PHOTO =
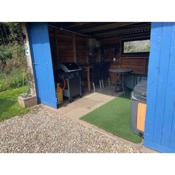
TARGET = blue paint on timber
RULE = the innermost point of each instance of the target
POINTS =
(160, 118)
(42, 63)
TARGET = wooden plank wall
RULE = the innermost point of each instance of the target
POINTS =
(137, 63)
(160, 118)
(68, 47)
(82, 49)
(42, 61)
(107, 43)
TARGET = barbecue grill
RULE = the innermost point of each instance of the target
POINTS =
(70, 73)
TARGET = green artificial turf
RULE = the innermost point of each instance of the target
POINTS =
(9, 106)
(114, 117)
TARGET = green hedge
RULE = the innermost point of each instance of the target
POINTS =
(13, 66)
(16, 78)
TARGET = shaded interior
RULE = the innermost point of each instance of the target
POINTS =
(88, 43)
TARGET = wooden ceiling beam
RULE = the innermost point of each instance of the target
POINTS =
(135, 30)
(126, 36)
(105, 27)
(77, 24)
(86, 25)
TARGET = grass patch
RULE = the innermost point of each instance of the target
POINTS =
(9, 106)
(114, 117)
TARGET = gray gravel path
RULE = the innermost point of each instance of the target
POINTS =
(43, 130)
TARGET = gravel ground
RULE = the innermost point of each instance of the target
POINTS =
(43, 131)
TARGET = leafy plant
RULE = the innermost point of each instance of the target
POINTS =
(11, 33)
(13, 65)
(16, 78)
(5, 54)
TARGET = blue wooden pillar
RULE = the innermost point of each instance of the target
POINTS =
(42, 63)
(160, 119)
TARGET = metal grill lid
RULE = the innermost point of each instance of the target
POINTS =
(139, 92)
(69, 67)
(72, 66)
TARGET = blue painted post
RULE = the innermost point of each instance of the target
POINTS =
(160, 118)
(42, 63)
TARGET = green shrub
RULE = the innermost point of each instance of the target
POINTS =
(12, 56)
(13, 64)
(16, 78)
(3, 85)
(5, 55)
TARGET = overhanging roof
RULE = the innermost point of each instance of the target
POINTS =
(104, 29)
